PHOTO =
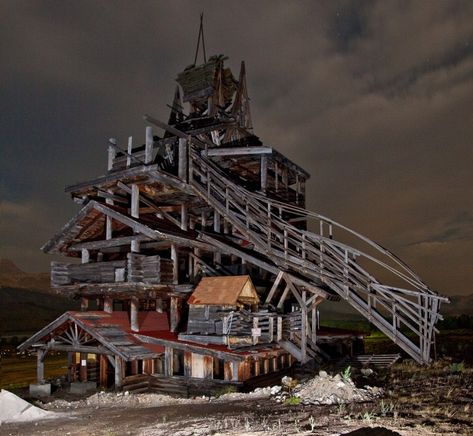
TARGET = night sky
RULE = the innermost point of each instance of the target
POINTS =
(373, 98)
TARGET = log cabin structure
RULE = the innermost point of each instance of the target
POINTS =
(194, 257)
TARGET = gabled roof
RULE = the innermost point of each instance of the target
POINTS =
(89, 224)
(224, 291)
(111, 330)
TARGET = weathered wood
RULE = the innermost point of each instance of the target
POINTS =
(149, 145)
(134, 307)
(236, 151)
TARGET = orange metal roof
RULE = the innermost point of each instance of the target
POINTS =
(223, 290)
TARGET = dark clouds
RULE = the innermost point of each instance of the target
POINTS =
(372, 98)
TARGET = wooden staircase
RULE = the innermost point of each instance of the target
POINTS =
(407, 315)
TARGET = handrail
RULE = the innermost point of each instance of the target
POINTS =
(322, 258)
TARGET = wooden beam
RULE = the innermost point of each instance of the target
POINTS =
(236, 151)
(264, 173)
(149, 145)
(135, 201)
(114, 242)
(182, 159)
(273, 289)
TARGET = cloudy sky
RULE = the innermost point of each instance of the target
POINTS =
(373, 98)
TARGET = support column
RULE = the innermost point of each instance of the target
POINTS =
(174, 314)
(129, 151)
(84, 304)
(159, 305)
(175, 264)
(168, 361)
(118, 372)
(83, 367)
(184, 219)
(304, 327)
(149, 145)
(40, 366)
(112, 152)
(217, 254)
(135, 201)
(182, 162)
(108, 304)
(264, 173)
(134, 314)
(85, 255)
(314, 323)
(103, 365)
(70, 362)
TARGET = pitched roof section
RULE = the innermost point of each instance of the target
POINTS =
(89, 223)
(224, 291)
(111, 330)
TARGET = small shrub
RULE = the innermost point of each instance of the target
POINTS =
(230, 389)
(456, 367)
(346, 373)
(292, 401)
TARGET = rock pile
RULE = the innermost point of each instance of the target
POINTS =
(326, 389)
(14, 409)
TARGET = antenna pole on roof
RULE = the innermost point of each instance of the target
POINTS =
(201, 36)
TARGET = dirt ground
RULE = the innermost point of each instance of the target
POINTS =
(418, 401)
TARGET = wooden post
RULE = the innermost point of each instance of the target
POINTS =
(255, 330)
(103, 365)
(182, 163)
(279, 329)
(271, 329)
(257, 364)
(70, 365)
(168, 361)
(264, 172)
(85, 256)
(304, 327)
(175, 264)
(266, 365)
(227, 371)
(184, 219)
(84, 304)
(135, 201)
(134, 314)
(83, 367)
(217, 254)
(40, 366)
(174, 314)
(314, 323)
(129, 151)
(149, 145)
(118, 372)
(108, 304)
(108, 228)
(112, 152)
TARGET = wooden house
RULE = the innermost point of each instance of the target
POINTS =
(201, 198)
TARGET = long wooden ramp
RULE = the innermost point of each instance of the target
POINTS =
(405, 311)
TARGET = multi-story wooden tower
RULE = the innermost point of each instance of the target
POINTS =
(204, 197)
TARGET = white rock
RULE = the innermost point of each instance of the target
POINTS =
(275, 390)
(323, 374)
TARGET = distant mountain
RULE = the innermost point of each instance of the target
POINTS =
(27, 301)
(24, 311)
(13, 277)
